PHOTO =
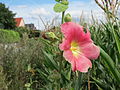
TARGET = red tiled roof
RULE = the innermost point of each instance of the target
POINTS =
(18, 20)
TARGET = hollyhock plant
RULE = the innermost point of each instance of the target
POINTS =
(78, 47)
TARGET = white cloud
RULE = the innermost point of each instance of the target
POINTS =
(31, 13)
(79, 7)
(21, 6)
(40, 11)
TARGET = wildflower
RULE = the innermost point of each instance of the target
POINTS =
(78, 47)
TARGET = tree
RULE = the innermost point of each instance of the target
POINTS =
(6, 18)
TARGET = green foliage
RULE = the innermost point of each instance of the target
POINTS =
(3, 85)
(59, 7)
(8, 36)
(6, 18)
(108, 64)
(22, 31)
(57, 0)
(116, 37)
(20, 63)
(34, 33)
(65, 2)
(1, 26)
(111, 65)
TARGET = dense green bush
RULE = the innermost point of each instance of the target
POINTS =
(9, 36)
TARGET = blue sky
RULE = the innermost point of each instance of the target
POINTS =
(26, 2)
(29, 2)
(30, 10)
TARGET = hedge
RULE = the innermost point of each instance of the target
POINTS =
(9, 36)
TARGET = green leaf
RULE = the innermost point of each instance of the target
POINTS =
(43, 75)
(50, 60)
(111, 65)
(57, 0)
(67, 73)
(117, 40)
(65, 2)
(79, 81)
(60, 7)
(99, 88)
(101, 84)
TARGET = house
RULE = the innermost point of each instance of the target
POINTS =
(30, 26)
(19, 22)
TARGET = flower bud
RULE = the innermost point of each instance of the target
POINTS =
(68, 18)
(50, 35)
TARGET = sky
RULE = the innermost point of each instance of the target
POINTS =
(32, 10)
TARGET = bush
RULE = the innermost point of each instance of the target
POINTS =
(8, 36)
(22, 30)
(20, 63)
(3, 85)
(29, 32)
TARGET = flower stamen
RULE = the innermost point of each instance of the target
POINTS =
(75, 49)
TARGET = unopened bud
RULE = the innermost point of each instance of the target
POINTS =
(51, 35)
(68, 18)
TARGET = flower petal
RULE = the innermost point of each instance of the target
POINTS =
(65, 45)
(70, 58)
(83, 64)
(90, 50)
(67, 54)
(73, 31)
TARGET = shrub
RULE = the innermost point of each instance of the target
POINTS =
(22, 30)
(8, 36)
(34, 33)
(3, 85)
(19, 62)
(29, 32)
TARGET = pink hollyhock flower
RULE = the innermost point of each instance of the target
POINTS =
(78, 47)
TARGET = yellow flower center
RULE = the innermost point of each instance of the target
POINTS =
(75, 48)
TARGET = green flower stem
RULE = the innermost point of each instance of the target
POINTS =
(88, 80)
(79, 81)
(63, 14)
(111, 65)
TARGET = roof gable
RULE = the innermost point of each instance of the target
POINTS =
(18, 20)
